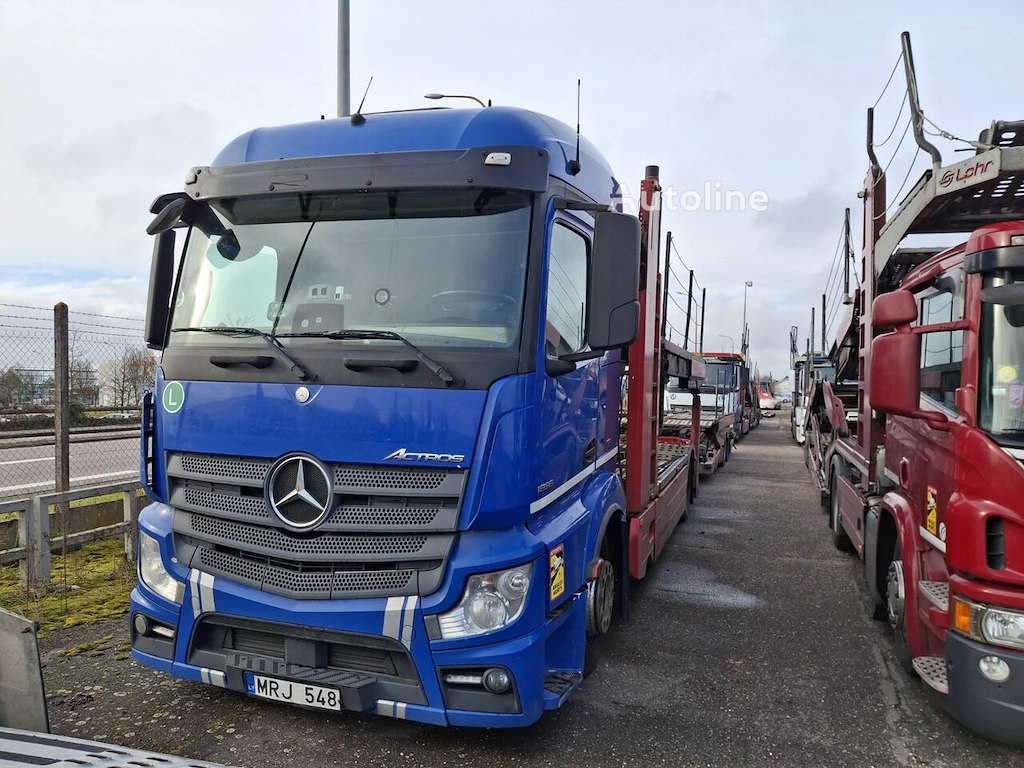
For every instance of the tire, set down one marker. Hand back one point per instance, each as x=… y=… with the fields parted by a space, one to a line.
x=600 y=609
x=691 y=493
x=727 y=452
x=896 y=610
x=839 y=538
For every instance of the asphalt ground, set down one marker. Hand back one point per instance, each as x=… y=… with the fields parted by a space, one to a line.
x=750 y=644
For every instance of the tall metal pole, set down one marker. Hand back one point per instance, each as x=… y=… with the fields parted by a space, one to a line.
x=344 y=70
x=703 y=299
x=61 y=421
x=665 y=277
x=824 y=349
x=810 y=339
x=846 y=257
x=743 y=330
x=689 y=304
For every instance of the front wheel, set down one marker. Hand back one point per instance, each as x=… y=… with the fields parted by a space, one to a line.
x=600 y=607
x=896 y=609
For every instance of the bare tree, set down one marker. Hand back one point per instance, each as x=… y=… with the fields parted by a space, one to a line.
x=127 y=376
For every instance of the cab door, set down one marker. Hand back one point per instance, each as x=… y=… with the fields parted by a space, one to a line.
x=926 y=457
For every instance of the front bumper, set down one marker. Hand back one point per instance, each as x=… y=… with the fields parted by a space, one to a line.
x=341 y=645
x=995 y=710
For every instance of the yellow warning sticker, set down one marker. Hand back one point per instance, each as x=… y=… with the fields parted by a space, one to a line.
x=556 y=571
x=931 y=520
x=1006 y=374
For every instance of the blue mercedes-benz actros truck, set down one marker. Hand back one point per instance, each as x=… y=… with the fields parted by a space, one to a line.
x=383 y=447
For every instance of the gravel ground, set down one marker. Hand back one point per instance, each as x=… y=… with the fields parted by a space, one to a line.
x=750 y=644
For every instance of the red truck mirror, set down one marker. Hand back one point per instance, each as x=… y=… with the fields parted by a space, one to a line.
x=894 y=309
x=895 y=368
x=895 y=375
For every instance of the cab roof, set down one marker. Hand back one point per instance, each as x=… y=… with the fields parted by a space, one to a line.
x=431 y=130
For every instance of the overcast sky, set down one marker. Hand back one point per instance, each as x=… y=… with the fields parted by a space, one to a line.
x=104 y=105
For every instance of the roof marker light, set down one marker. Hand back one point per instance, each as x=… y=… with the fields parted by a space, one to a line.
x=498 y=158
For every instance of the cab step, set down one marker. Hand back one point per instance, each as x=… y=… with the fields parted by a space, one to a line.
x=932 y=669
x=936 y=593
x=557 y=687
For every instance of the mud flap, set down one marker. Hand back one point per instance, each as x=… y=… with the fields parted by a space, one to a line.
x=871 y=525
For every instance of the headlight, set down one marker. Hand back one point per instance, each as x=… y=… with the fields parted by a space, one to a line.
x=989 y=625
x=491 y=601
x=152 y=571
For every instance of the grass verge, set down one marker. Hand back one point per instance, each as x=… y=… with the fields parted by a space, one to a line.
x=99 y=581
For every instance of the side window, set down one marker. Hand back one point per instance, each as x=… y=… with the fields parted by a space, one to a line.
x=942 y=351
x=567 y=292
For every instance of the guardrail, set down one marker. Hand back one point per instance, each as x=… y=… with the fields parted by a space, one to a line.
x=34 y=547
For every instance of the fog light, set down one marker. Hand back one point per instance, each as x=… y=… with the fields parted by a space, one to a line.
x=141 y=625
x=994 y=669
x=496 y=680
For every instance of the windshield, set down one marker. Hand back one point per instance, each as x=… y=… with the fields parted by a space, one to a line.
x=441 y=267
x=721 y=377
x=1001 y=374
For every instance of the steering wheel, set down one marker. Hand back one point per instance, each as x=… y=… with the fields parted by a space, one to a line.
x=473 y=302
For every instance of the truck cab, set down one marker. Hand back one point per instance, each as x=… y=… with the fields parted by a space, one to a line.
x=915 y=444
x=383 y=449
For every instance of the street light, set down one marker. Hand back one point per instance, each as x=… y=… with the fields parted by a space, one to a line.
x=732 y=344
x=743 y=337
x=436 y=96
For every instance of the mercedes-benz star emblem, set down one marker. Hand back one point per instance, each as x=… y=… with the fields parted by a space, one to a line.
x=300 y=491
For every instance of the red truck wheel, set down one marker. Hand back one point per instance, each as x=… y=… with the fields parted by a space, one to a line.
x=896 y=609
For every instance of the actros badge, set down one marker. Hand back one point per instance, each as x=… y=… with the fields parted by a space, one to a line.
x=403 y=455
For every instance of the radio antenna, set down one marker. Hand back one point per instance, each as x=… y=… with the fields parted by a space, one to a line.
x=574 y=164
x=357 y=116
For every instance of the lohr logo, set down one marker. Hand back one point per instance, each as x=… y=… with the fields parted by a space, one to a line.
x=976 y=170
x=403 y=455
x=961 y=175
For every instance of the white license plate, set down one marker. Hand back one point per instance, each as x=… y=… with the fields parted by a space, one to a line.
x=292 y=692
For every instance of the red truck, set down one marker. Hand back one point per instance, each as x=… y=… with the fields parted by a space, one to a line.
x=918 y=444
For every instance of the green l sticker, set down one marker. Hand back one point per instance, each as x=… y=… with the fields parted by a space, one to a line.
x=174 y=397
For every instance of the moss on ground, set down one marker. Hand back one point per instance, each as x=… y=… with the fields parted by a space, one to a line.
x=99 y=581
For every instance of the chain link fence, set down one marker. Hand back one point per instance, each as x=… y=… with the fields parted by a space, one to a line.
x=108 y=369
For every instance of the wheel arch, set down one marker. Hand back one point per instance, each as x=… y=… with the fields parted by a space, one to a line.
x=890 y=521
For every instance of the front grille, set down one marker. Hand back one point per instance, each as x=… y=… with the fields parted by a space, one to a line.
x=322 y=583
x=390 y=478
x=389 y=533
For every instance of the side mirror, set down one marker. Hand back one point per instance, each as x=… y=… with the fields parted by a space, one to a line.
x=894 y=309
x=895 y=371
x=161 y=283
x=169 y=215
x=613 y=307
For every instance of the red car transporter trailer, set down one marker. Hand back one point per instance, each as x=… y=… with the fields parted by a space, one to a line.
x=927 y=483
x=661 y=468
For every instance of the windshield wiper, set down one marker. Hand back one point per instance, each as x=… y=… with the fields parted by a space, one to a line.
x=439 y=370
x=226 y=330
